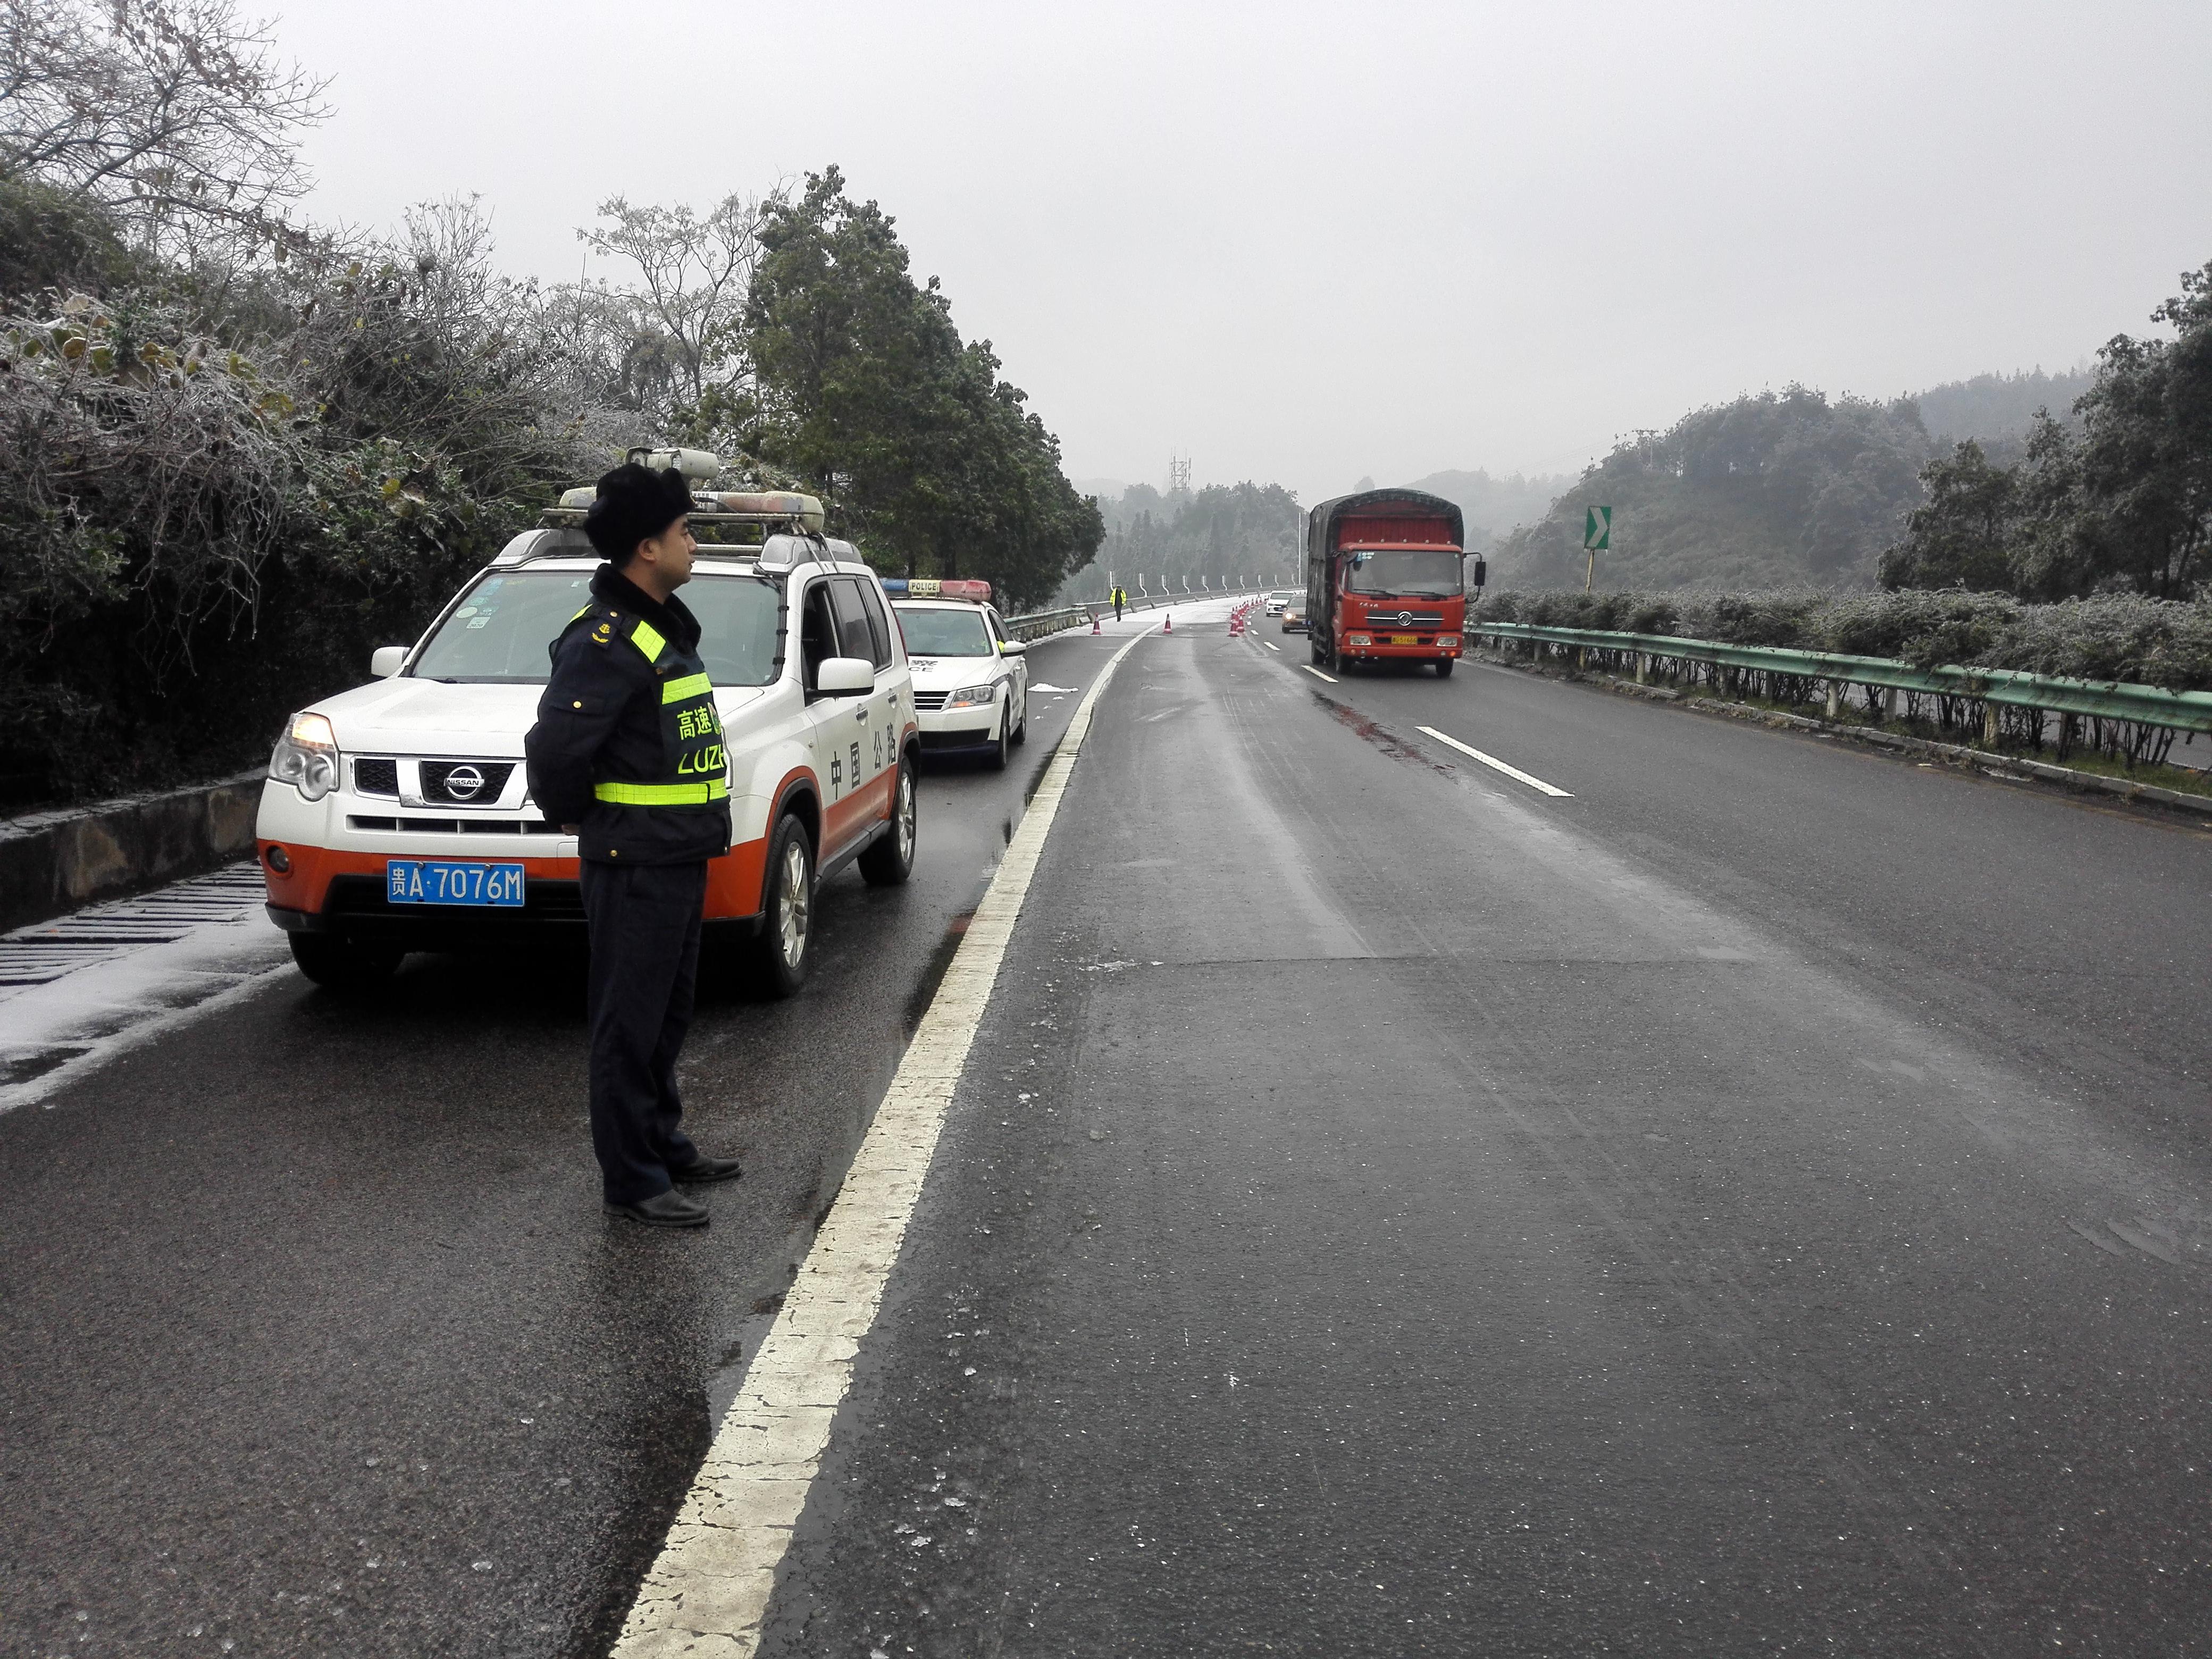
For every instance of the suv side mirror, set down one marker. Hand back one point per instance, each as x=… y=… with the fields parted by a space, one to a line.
x=1013 y=648
x=845 y=677
x=387 y=660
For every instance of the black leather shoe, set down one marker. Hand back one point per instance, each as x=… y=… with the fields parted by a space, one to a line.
x=703 y=1168
x=664 y=1210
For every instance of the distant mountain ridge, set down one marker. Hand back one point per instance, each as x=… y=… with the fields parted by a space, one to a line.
x=1495 y=506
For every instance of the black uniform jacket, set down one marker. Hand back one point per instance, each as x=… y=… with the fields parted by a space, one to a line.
x=600 y=721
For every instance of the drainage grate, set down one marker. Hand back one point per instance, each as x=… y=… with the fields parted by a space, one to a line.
x=47 y=950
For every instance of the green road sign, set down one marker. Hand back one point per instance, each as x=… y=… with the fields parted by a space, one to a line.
x=1597 y=529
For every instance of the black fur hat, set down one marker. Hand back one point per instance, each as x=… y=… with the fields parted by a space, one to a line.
x=635 y=505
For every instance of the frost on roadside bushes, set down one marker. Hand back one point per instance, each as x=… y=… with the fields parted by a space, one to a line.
x=2116 y=636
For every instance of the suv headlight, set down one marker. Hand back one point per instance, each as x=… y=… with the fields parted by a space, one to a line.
x=306 y=757
x=972 y=697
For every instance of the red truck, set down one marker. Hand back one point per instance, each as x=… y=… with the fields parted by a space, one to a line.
x=1385 y=578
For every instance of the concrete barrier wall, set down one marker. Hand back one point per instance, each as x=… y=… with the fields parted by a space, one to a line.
x=51 y=862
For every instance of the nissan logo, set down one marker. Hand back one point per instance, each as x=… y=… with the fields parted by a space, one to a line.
x=463 y=782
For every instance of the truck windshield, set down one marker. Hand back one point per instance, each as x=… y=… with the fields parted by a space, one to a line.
x=499 y=632
x=933 y=633
x=1432 y=574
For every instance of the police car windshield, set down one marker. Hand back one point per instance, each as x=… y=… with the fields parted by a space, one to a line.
x=933 y=633
x=499 y=632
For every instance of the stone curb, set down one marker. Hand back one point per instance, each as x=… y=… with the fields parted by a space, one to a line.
x=2015 y=766
x=52 y=862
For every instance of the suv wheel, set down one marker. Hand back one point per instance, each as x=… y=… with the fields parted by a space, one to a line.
x=890 y=861
x=338 y=963
x=784 y=947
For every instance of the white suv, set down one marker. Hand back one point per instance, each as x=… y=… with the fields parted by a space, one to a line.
x=971 y=682
x=397 y=816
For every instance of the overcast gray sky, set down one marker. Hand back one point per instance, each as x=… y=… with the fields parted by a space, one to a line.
x=1305 y=243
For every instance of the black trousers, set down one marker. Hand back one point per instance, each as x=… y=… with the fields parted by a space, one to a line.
x=644 y=922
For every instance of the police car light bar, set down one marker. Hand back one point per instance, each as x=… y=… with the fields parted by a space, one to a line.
x=929 y=587
x=699 y=466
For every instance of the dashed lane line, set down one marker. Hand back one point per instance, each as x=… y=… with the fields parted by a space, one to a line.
x=709 y=1589
x=1495 y=763
x=1316 y=673
x=1271 y=645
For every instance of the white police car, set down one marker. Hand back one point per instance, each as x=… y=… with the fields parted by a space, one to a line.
x=971 y=682
x=397 y=816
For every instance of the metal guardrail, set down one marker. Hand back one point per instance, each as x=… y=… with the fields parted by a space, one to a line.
x=2114 y=700
x=1036 y=624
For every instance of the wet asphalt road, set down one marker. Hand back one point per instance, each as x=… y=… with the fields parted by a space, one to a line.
x=316 y=1340
x=1756 y=1205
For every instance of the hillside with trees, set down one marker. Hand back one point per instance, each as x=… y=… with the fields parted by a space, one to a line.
x=239 y=450
x=1771 y=491
x=2117 y=499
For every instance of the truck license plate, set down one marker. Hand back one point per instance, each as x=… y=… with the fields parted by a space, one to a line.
x=1405 y=638
x=434 y=881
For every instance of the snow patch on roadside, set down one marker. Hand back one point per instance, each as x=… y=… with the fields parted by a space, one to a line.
x=79 y=990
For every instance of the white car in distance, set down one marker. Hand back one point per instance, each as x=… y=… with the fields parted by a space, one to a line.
x=1279 y=598
x=971 y=682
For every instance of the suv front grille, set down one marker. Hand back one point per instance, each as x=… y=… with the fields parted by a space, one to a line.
x=376 y=777
x=465 y=783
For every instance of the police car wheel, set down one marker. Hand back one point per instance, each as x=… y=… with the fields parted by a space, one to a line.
x=338 y=963
x=890 y=861
x=997 y=758
x=1022 y=726
x=783 y=949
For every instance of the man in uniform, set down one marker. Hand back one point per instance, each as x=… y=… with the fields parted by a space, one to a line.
x=1121 y=598
x=627 y=754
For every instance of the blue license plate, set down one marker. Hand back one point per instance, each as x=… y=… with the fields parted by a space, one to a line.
x=434 y=881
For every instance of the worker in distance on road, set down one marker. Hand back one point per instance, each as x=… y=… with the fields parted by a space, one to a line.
x=1121 y=598
x=627 y=755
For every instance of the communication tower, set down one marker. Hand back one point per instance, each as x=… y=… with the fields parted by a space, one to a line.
x=1178 y=474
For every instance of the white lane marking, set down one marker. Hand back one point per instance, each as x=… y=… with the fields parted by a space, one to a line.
x=1493 y=761
x=1271 y=645
x=709 y=1589
x=1316 y=673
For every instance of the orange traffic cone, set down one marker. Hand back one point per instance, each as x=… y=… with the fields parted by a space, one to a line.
x=1094 y=622
x=1169 y=628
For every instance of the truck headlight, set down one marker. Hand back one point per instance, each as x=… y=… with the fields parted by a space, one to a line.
x=1450 y=642
x=306 y=757
x=1359 y=639
x=972 y=697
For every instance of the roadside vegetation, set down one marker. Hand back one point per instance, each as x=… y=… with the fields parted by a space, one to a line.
x=2114 y=636
x=239 y=450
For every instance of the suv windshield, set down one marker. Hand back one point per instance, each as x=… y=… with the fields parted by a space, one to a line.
x=931 y=632
x=499 y=632
x=1431 y=574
